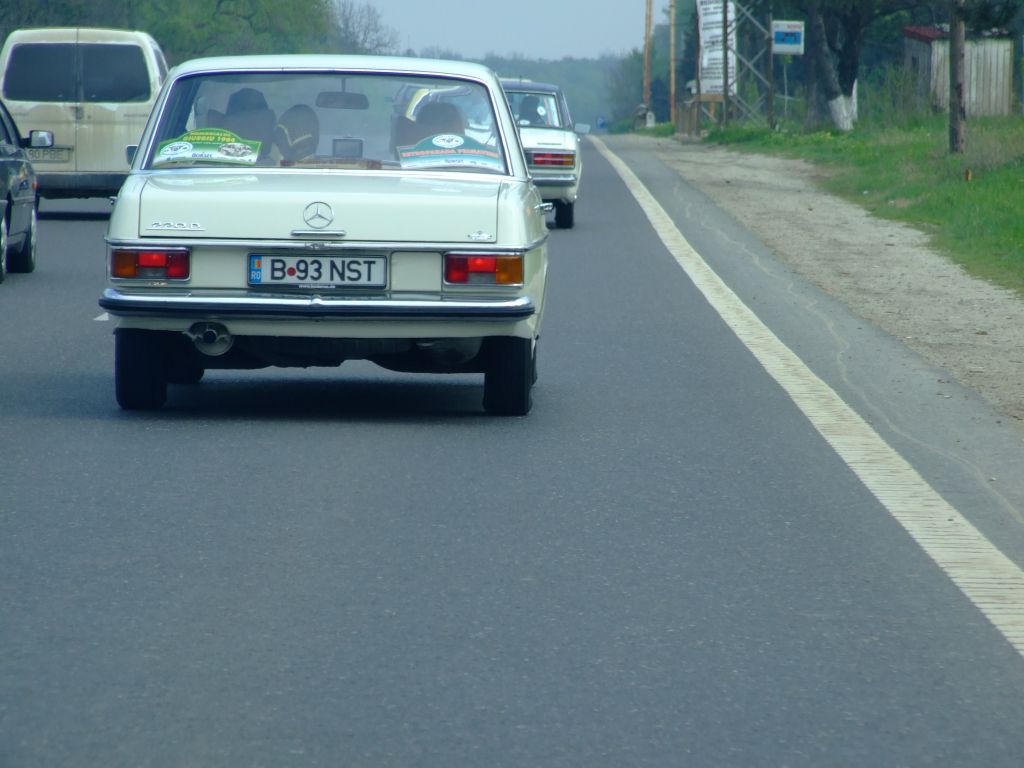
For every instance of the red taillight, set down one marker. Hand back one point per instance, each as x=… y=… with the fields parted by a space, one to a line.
x=483 y=269
x=456 y=269
x=165 y=264
x=482 y=264
x=151 y=259
x=554 y=159
x=179 y=266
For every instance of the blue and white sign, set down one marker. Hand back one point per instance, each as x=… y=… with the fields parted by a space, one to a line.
x=788 y=38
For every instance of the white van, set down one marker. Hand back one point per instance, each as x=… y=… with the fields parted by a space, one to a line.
x=94 y=89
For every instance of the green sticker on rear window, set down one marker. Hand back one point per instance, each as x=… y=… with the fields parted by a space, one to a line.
x=449 y=150
x=209 y=145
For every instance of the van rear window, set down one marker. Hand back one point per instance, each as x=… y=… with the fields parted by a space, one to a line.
x=47 y=72
x=41 y=72
x=113 y=73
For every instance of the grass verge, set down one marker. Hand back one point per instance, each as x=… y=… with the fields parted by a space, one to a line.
x=971 y=205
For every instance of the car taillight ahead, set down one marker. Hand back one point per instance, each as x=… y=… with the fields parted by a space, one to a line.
x=554 y=159
x=150 y=264
x=483 y=269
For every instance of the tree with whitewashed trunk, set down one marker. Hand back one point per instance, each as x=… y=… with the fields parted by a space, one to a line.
x=836 y=31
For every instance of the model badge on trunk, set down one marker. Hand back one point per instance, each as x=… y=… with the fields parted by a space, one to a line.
x=193 y=226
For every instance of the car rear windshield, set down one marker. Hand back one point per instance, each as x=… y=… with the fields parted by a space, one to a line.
x=537 y=109
x=69 y=72
x=329 y=120
x=41 y=72
x=114 y=73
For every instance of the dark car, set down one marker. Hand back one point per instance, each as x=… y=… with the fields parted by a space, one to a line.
x=19 y=196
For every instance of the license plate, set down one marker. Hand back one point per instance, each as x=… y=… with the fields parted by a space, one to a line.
x=318 y=271
x=49 y=154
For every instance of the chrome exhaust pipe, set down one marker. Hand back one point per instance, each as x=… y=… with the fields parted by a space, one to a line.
x=211 y=339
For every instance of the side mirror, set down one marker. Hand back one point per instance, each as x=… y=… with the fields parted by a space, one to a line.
x=40 y=139
x=582 y=128
x=129 y=152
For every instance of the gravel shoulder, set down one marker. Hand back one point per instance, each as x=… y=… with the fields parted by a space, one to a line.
x=883 y=271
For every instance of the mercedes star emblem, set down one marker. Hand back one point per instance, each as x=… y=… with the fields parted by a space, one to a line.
x=318 y=215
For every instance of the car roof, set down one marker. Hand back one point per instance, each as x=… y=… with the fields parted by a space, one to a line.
x=79 y=34
x=405 y=64
x=519 y=84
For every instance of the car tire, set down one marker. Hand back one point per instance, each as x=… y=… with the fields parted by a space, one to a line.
x=179 y=361
x=24 y=259
x=139 y=379
x=3 y=247
x=508 y=380
x=564 y=214
x=185 y=374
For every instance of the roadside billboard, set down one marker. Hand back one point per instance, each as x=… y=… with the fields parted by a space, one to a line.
x=712 y=34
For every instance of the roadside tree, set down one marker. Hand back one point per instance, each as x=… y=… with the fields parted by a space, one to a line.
x=190 y=28
x=838 y=32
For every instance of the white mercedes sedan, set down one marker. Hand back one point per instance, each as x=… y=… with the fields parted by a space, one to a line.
x=551 y=141
x=302 y=211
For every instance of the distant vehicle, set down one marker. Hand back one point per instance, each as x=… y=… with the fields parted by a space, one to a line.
x=94 y=89
x=19 y=196
x=551 y=142
x=307 y=210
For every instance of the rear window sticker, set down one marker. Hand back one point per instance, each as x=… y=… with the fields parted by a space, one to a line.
x=208 y=145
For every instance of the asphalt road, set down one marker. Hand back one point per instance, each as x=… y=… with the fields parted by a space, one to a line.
x=664 y=564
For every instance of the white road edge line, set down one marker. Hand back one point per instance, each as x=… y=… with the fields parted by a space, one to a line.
x=985 y=575
x=102 y=318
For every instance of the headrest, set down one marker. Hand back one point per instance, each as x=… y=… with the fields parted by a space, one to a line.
x=246 y=100
x=297 y=132
x=439 y=117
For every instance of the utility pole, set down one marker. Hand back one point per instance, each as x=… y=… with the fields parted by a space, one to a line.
x=769 y=72
x=672 y=62
x=647 y=58
x=957 y=95
x=725 y=63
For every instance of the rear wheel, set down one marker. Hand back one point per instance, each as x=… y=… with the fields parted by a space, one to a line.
x=508 y=380
x=180 y=365
x=24 y=259
x=564 y=214
x=185 y=374
x=139 y=378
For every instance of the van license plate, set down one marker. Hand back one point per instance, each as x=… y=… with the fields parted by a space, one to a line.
x=318 y=271
x=49 y=154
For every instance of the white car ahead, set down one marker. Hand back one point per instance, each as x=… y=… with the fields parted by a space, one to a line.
x=551 y=142
x=294 y=211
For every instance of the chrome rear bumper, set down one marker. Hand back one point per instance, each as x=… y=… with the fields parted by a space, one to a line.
x=188 y=305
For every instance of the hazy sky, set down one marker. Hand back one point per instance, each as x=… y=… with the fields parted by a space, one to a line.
x=537 y=29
